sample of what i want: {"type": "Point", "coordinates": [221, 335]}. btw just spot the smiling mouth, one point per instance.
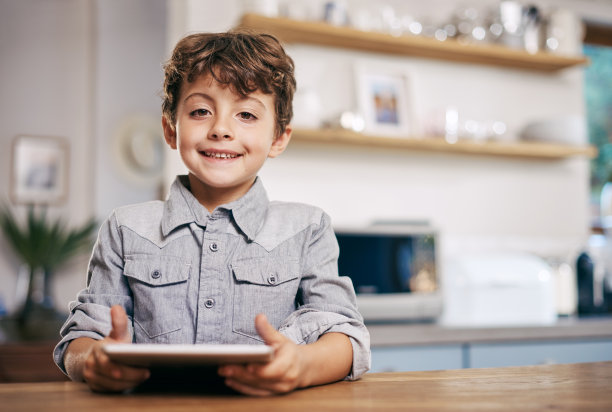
{"type": "Point", "coordinates": [219, 155]}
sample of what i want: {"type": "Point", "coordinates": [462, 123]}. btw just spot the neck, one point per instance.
{"type": "Point", "coordinates": [212, 197]}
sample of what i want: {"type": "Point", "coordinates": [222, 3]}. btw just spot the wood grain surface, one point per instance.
{"type": "Point", "coordinates": [320, 33]}
{"type": "Point", "coordinates": [574, 387]}
{"type": "Point", "coordinates": [512, 149]}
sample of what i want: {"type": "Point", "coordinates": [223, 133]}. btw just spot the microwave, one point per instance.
{"type": "Point", "coordinates": [394, 269]}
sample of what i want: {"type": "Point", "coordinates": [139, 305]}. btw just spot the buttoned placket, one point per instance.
{"type": "Point", "coordinates": [211, 305]}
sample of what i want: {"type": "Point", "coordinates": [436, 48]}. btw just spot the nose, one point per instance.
{"type": "Point", "coordinates": [220, 130]}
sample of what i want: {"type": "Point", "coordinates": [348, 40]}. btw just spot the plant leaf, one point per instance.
{"type": "Point", "coordinates": [41, 243]}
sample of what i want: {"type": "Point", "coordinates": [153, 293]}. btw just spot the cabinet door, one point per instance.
{"type": "Point", "coordinates": [416, 358]}
{"type": "Point", "coordinates": [537, 353]}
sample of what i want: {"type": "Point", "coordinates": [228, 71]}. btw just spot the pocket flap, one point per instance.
{"type": "Point", "coordinates": [264, 271]}
{"type": "Point", "coordinates": [157, 270]}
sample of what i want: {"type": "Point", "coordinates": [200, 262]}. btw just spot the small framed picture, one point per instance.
{"type": "Point", "coordinates": [384, 100]}
{"type": "Point", "coordinates": [39, 170]}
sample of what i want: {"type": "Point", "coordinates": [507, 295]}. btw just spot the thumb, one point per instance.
{"type": "Point", "coordinates": [267, 332]}
{"type": "Point", "coordinates": [119, 321]}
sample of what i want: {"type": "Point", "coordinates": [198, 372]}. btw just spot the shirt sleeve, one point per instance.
{"type": "Point", "coordinates": [106, 286]}
{"type": "Point", "coordinates": [328, 300]}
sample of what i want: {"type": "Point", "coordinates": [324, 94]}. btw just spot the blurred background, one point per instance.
{"type": "Point", "coordinates": [89, 72]}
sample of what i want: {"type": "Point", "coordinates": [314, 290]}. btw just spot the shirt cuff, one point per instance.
{"type": "Point", "coordinates": [307, 325]}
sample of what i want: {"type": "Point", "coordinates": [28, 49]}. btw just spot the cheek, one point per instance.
{"type": "Point", "coordinates": [186, 136]}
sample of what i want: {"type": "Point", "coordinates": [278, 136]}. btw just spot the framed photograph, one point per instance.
{"type": "Point", "coordinates": [39, 170]}
{"type": "Point", "coordinates": [384, 100]}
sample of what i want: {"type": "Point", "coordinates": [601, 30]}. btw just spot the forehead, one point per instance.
{"type": "Point", "coordinates": [207, 85]}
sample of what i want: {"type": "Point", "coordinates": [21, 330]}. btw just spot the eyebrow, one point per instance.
{"type": "Point", "coordinates": [239, 99]}
{"type": "Point", "coordinates": [254, 100]}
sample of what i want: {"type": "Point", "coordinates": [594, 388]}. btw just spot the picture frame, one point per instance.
{"type": "Point", "coordinates": [39, 170]}
{"type": "Point", "coordinates": [384, 99]}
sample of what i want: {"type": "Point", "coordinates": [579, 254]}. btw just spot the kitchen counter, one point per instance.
{"type": "Point", "coordinates": [409, 334]}
{"type": "Point", "coordinates": [574, 387]}
{"type": "Point", "coordinates": [38, 366]}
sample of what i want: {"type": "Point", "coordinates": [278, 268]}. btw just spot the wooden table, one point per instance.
{"type": "Point", "coordinates": [29, 362]}
{"type": "Point", "coordinates": [573, 387]}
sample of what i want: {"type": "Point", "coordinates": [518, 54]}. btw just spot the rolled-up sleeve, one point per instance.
{"type": "Point", "coordinates": [106, 286]}
{"type": "Point", "coordinates": [328, 302]}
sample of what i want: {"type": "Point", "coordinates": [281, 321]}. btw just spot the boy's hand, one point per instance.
{"type": "Point", "coordinates": [283, 374]}
{"type": "Point", "coordinates": [103, 375]}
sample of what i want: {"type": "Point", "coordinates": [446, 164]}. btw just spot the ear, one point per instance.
{"type": "Point", "coordinates": [169, 132]}
{"type": "Point", "coordinates": [280, 143]}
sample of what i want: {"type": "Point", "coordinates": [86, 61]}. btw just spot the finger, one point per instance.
{"type": "Point", "coordinates": [119, 322]}
{"type": "Point", "coordinates": [100, 383]}
{"type": "Point", "coordinates": [104, 375]}
{"type": "Point", "coordinates": [281, 367]}
{"type": "Point", "coordinates": [99, 380]}
{"type": "Point", "coordinates": [131, 374]}
{"type": "Point", "coordinates": [256, 376]}
{"type": "Point", "coordinates": [247, 389]}
{"type": "Point", "coordinates": [106, 384]}
{"type": "Point", "coordinates": [104, 366]}
{"type": "Point", "coordinates": [267, 332]}
{"type": "Point", "coordinates": [233, 371]}
{"type": "Point", "coordinates": [260, 387]}
{"type": "Point", "coordinates": [243, 375]}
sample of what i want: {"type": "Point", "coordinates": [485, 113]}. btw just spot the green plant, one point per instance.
{"type": "Point", "coordinates": [43, 243]}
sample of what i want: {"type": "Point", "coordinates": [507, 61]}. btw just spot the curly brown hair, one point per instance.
{"type": "Point", "coordinates": [244, 61]}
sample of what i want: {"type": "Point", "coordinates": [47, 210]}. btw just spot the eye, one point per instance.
{"type": "Point", "coordinates": [247, 116]}
{"type": "Point", "coordinates": [200, 113]}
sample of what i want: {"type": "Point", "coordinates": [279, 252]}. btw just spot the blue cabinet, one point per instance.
{"type": "Point", "coordinates": [537, 353]}
{"type": "Point", "coordinates": [430, 346]}
{"type": "Point", "coordinates": [416, 358]}
{"type": "Point", "coordinates": [488, 355]}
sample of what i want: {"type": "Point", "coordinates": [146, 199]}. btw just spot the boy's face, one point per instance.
{"type": "Point", "coordinates": [223, 138]}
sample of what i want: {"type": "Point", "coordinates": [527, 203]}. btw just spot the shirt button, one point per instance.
{"type": "Point", "coordinates": [272, 279]}
{"type": "Point", "coordinates": [209, 303]}
{"type": "Point", "coordinates": [156, 274]}
{"type": "Point", "coordinates": [214, 247]}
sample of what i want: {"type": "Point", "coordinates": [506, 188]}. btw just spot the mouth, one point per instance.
{"type": "Point", "coordinates": [220, 155]}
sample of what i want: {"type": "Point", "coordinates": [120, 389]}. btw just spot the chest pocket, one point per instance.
{"type": "Point", "coordinates": [159, 289]}
{"type": "Point", "coordinates": [266, 286]}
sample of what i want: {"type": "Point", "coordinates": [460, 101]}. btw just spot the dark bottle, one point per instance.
{"type": "Point", "coordinates": [607, 294]}
{"type": "Point", "coordinates": [584, 277]}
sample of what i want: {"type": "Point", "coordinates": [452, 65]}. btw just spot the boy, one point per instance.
{"type": "Point", "coordinates": [198, 267]}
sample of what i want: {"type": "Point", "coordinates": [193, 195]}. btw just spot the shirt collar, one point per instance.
{"type": "Point", "coordinates": [182, 208]}
{"type": "Point", "coordinates": [250, 210]}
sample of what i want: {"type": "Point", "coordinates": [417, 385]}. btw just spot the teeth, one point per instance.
{"type": "Point", "coordinates": [221, 155]}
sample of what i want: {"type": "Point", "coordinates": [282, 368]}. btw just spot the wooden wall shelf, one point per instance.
{"type": "Point", "coordinates": [320, 33]}
{"type": "Point", "coordinates": [525, 150]}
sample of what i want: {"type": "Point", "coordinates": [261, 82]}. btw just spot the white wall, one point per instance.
{"type": "Point", "coordinates": [77, 69]}
{"type": "Point", "coordinates": [130, 38]}
{"type": "Point", "coordinates": [47, 81]}
{"type": "Point", "coordinates": [477, 203]}
{"type": "Point", "coordinates": [464, 196]}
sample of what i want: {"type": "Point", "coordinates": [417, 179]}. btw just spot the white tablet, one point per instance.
{"type": "Point", "coordinates": [153, 355]}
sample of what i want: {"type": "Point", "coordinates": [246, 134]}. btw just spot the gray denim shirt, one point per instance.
{"type": "Point", "coordinates": [185, 275]}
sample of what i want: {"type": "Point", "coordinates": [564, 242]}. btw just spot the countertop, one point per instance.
{"type": "Point", "coordinates": [573, 387]}
{"type": "Point", "coordinates": [409, 334]}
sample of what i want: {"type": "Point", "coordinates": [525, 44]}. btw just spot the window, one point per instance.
{"type": "Point", "coordinates": [598, 96]}
{"type": "Point", "coordinates": [598, 101]}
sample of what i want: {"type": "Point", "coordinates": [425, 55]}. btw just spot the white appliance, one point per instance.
{"type": "Point", "coordinates": [498, 289]}
{"type": "Point", "coordinates": [394, 270]}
